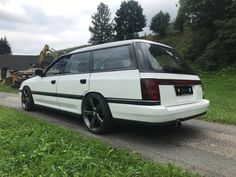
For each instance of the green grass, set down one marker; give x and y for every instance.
(30, 147)
(220, 89)
(8, 89)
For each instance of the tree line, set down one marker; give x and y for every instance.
(129, 20)
(209, 29)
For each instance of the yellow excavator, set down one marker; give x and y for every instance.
(47, 51)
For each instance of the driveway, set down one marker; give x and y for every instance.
(203, 147)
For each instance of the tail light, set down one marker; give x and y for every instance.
(150, 89)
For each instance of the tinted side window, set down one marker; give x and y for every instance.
(155, 58)
(58, 67)
(112, 58)
(78, 63)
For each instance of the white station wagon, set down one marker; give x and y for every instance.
(135, 80)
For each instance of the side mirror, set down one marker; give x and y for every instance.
(39, 72)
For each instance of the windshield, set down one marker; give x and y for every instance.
(155, 58)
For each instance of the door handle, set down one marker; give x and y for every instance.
(53, 81)
(83, 81)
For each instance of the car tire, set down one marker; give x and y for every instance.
(27, 99)
(96, 114)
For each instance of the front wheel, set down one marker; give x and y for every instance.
(96, 114)
(27, 99)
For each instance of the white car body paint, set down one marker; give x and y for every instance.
(158, 114)
(122, 84)
(70, 84)
(114, 84)
(43, 84)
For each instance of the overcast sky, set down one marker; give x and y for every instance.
(29, 24)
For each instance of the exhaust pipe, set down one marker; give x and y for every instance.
(178, 124)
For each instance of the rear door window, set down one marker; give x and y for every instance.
(112, 58)
(78, 63)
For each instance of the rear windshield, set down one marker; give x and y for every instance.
(155, 58)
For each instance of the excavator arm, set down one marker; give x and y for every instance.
(46, 51)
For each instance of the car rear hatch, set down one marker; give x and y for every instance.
(165, 76)
(178, 92)
(175, 90)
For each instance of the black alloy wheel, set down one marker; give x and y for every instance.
(96, 114)
(27, 99)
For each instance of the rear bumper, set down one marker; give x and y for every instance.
(158, 114)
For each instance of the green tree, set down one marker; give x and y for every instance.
(160, 22)
(5, 48)
(180, 20)
(203, 13)
(211, 37)
(221, 51)
(129, 20)
(101, 28)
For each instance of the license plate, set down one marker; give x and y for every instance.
(183, 90)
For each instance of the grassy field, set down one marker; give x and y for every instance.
(29, 147)
(8, 89)
(220, 89)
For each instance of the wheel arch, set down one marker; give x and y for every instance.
(88, 93)
(26, 86)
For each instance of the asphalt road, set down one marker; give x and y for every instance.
(203, 147)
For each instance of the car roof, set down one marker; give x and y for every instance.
(115, 44)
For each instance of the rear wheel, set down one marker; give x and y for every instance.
(27, 99)
(96, 114)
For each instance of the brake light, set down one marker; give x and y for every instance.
(150, 89)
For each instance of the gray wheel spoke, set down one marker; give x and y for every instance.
(87, 113)
(25, 94)
(92, 104)
(92, 123)
(25, 97)
(99, 119)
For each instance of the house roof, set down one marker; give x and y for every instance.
(19, 62)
